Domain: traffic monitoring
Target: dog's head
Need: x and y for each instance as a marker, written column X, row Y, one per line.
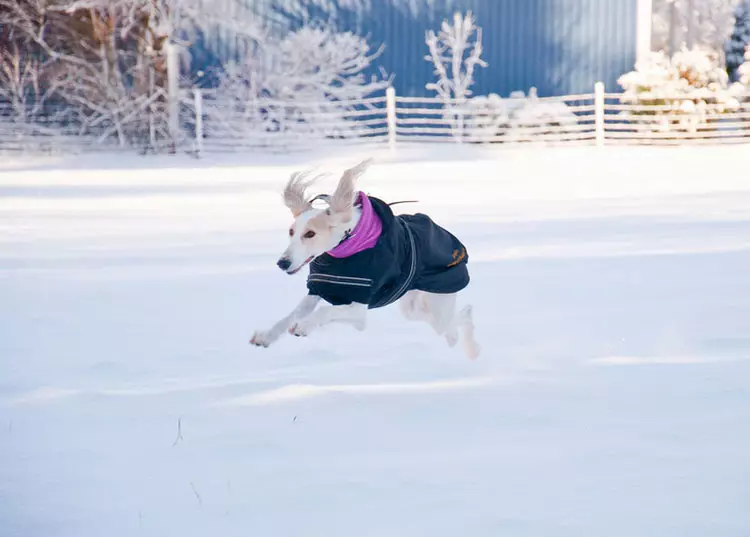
column 315, row 231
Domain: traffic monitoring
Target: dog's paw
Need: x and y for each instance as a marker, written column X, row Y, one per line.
column 473, row 350
column 261, row 339
column 451, row 337
column 301, row 329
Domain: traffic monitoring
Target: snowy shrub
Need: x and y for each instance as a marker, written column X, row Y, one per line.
column 738, row 42
column 518, row 118
column 533, row 117
column 455, row 52
column 487, row 115
column 683, row 93
column 743, row 71
column 304, row 85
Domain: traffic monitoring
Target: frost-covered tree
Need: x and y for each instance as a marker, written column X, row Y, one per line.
column 101, row 47
column 739, row 40
column 305, row 84
column 455, row 52
column 21, row 76
column 24, row 96
column 688, row 23
column 685, row 91
column 113, row 54
column 331, row 9
column 743, row 71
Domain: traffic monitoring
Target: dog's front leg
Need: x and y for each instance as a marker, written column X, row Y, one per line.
column 354, row 314
column 265, row 337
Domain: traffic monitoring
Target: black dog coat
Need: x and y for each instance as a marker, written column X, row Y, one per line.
column 413, row 252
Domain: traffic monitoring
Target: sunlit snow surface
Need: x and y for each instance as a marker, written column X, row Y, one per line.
column 611, row 292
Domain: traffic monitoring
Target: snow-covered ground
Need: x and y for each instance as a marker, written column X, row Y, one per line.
column 612, row 299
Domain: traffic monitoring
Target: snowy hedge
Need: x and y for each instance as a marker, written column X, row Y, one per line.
column 687, row 92
column 518, row 118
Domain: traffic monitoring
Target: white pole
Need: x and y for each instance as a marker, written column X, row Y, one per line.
column 390, row 105
column 673, row 20
column 643, row 32
column 198, row 121
column 173, row 92
column 599, row 113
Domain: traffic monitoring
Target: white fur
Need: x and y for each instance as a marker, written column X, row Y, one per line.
column 301, row 250
column 438, row 310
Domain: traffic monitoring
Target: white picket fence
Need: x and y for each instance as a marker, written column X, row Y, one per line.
column 282, row 126
column 570, row 119
column 208, row 125
column 596, row 118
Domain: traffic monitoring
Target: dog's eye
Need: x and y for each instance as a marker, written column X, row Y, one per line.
column 309, row 235
column 291, row 232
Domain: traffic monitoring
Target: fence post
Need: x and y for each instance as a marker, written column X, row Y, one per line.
column 198, row 95
column 390, row 105
column 599, row 113
column 173, row 92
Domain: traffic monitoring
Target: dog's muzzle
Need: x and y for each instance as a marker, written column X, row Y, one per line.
column 285, row 265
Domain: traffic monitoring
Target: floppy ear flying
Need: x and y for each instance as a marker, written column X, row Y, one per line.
column 342, row 202
column 294, row 192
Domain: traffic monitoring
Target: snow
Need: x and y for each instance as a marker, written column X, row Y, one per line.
column 611, row 300
column 705, row 22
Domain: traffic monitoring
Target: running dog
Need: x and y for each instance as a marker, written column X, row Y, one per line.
column 362, row 257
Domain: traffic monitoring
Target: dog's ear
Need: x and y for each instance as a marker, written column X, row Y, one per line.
column 294, row 192
column 342, row 201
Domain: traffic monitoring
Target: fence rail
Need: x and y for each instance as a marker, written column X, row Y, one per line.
column 208, row 124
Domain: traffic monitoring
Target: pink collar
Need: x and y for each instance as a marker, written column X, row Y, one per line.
column 364, row 235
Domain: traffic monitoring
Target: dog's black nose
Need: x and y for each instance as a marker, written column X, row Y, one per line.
column 284, row 263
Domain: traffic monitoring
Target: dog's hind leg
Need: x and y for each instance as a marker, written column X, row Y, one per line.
column 439, row 311
column 449, row 324
column 451, row 336
column 413, row 306
column 435, row 310
column 465, row 322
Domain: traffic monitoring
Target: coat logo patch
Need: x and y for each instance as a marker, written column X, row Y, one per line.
column 457, row 257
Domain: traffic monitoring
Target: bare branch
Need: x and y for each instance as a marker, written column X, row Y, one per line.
column 179, row 432
column 197, row 496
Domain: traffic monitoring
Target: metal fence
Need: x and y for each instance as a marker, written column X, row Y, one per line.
column 209, row 125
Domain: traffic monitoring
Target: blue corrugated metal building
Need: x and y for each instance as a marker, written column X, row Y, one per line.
column 558, row 46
